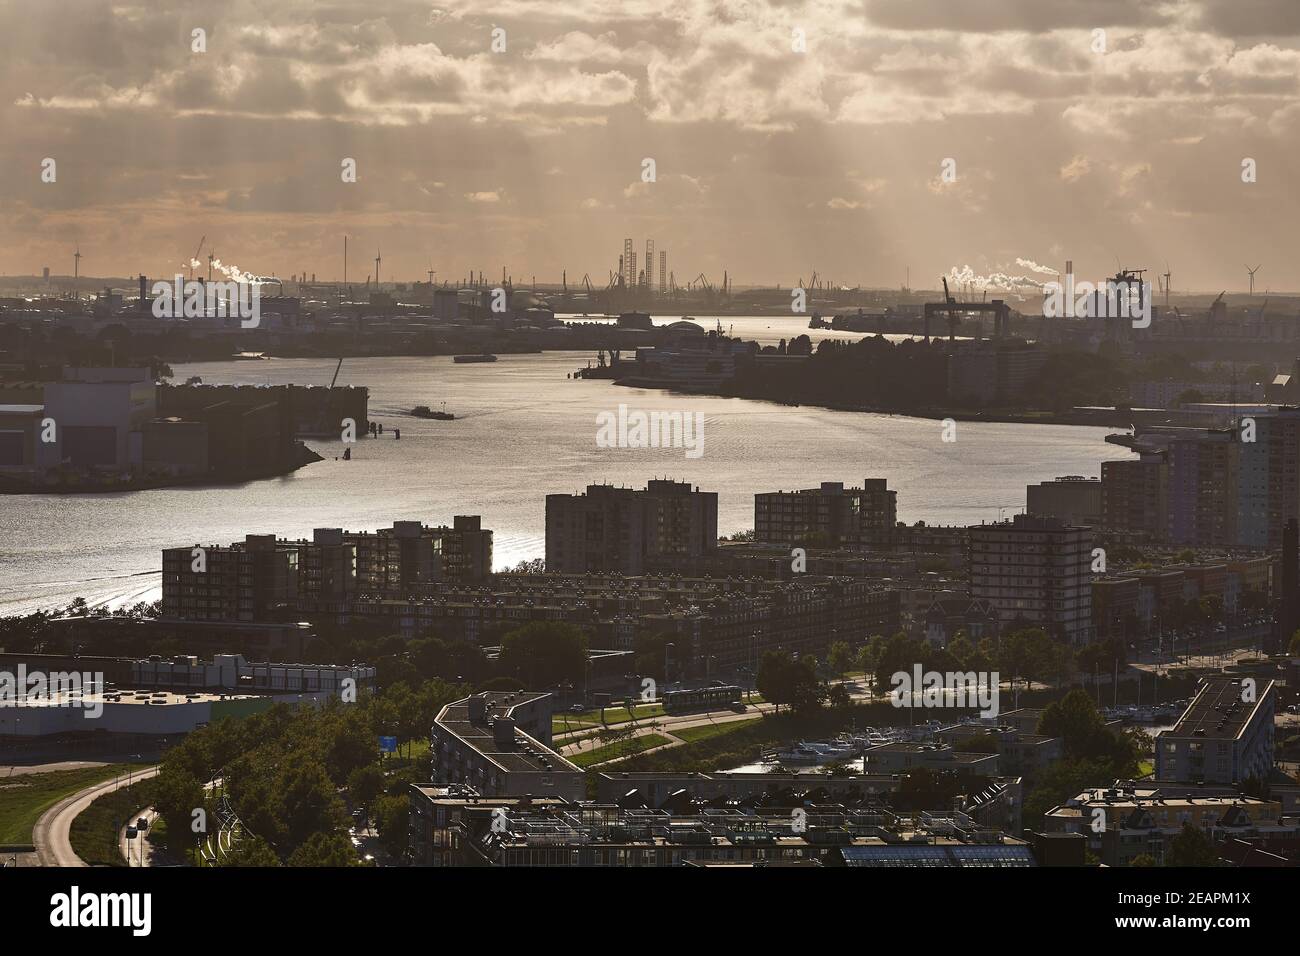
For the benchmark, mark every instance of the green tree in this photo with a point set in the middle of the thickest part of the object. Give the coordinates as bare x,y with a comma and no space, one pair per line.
840,658
392,814
250,850
365,784
544,654
1191,848
783,680
324,849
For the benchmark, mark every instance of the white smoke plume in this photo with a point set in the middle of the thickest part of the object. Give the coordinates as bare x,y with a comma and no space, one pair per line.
967,279
1033,266
231,273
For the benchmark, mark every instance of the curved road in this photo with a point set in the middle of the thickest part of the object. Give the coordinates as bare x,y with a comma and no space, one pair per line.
52,832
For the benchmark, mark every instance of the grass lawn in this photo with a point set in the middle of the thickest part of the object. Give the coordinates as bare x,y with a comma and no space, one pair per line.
704,732
575,739
615,714
560,725
23,798
418,749
94,832
625,749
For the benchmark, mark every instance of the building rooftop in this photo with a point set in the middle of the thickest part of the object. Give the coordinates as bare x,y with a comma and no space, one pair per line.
1218,712
521,753
123,696
938,854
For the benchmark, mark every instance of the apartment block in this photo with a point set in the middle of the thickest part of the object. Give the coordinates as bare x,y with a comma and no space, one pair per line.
249,581
263,575
1124,822
1037,571
500,744
619,529
1203,488
1134,495
1224,736
828,516
1074,499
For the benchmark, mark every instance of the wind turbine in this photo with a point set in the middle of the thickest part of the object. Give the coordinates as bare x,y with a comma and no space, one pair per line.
1252,277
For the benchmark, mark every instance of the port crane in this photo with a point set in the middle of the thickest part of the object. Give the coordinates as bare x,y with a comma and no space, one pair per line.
194,258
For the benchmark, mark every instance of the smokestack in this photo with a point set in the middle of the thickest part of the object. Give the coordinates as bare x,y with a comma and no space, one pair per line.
144,283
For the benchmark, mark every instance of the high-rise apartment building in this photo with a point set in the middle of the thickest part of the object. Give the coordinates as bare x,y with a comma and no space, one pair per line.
1268,483
617,529
828,516
1134,495
249,581
254,579
1203,488
1036,570
1074,499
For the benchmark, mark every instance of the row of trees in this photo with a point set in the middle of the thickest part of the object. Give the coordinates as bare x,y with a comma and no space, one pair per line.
290,774
1028,655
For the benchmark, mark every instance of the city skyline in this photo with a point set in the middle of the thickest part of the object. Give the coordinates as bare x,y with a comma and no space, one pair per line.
708,434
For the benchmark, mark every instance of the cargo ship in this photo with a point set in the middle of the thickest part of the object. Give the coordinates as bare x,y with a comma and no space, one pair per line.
483,357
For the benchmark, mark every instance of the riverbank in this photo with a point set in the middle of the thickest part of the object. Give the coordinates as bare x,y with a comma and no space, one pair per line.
1094,417
9,485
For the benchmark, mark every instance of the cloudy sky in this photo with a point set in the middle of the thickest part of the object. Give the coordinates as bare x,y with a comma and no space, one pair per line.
786,136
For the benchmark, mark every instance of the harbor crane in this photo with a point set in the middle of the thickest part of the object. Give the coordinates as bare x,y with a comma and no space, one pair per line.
194,258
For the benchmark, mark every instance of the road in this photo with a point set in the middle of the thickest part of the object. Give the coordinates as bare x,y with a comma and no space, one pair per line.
52,833
137,852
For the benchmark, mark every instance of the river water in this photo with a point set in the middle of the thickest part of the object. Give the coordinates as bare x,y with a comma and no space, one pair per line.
523,429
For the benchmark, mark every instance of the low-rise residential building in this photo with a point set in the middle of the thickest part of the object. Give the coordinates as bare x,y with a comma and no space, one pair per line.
1122,823
499,744
460,828
904,756
1224,736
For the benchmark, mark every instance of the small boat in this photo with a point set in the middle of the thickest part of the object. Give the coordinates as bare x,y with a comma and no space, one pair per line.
482,357
423,411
